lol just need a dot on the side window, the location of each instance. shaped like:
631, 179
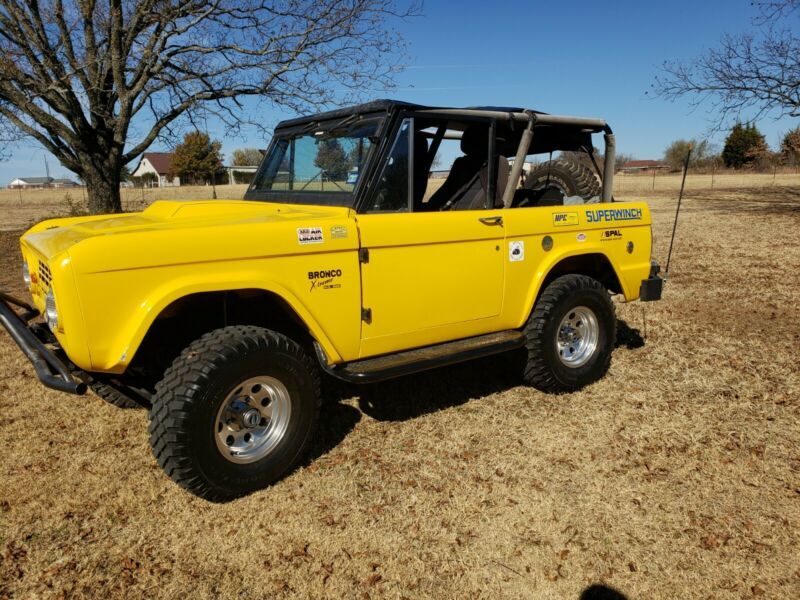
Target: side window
439, 165
460, 172
391, 194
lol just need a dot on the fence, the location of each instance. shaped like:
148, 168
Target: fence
667, 182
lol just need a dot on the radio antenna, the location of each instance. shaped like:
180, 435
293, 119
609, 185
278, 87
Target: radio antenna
678, 210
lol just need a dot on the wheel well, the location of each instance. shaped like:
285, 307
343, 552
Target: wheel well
597, 266
188, 318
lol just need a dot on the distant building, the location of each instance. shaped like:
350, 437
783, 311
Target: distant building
63, 183
643, 166
247, 173
32, 183
157, 163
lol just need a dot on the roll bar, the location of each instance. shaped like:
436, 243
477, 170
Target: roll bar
532, 119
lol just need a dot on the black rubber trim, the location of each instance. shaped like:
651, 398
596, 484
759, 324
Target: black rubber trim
651, 289
49, 369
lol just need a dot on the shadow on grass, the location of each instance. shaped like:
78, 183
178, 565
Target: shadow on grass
430, 391
601, 592
628, 336
336, 421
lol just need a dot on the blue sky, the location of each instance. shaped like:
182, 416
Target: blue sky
582, 58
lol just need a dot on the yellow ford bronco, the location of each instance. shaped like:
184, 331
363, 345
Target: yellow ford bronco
374, 241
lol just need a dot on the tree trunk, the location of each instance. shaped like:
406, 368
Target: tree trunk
102, 188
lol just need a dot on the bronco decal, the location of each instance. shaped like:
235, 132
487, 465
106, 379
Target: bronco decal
324, 279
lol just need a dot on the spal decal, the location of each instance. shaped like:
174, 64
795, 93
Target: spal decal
562, 219
609, 235
516, 251
613, 214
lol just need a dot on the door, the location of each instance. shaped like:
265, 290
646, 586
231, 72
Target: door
427, 276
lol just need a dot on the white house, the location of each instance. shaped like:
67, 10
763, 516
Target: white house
157, 163
27, 183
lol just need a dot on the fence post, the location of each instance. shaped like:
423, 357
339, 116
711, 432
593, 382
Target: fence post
654, 180
713, 171
774, 174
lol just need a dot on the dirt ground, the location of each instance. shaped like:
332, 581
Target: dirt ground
676, 476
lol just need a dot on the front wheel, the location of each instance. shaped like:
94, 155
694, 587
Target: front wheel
234, 412
570, 335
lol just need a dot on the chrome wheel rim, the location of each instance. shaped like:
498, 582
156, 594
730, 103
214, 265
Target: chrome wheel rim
253, 419
577, 338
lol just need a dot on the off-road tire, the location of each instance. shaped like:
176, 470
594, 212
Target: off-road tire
544, 369
568, 177
115, 396
187, 400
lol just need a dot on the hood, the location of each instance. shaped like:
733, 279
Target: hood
52, 237
170, 232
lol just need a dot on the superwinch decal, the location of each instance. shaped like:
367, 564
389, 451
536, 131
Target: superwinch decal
614, 214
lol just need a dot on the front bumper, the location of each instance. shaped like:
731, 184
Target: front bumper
652, 287
50, 369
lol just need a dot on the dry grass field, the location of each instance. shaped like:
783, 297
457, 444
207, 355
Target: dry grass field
676, 476
20, 208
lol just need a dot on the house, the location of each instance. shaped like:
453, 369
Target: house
63, 183
30, 183
643, 166
157, 163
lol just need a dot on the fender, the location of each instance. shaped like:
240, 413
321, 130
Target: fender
131, 333
553, 260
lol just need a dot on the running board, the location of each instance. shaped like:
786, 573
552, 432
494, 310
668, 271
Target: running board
388, 366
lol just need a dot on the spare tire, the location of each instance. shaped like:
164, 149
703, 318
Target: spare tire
553, 181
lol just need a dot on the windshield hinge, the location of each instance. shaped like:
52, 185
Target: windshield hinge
366, 315
363, 255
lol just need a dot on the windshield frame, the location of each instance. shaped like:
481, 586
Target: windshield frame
348, 199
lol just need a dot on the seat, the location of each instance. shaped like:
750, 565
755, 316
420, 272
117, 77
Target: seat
468, 181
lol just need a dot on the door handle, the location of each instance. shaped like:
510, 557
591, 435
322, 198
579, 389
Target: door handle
491, 220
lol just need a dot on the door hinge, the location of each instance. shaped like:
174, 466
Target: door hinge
366, 315
363, 255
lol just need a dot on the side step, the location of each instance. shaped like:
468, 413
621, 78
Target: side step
389, 366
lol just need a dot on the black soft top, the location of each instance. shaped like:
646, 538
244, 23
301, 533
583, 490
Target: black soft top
384, 105
549, 138
375, 106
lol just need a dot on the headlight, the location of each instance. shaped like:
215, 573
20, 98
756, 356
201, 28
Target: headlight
50, 312
26, 274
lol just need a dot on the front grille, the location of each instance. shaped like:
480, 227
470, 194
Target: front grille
44, 274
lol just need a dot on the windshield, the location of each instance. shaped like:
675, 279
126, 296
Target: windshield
321, 165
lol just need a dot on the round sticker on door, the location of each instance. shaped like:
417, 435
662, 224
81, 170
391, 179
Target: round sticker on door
581, 237
516, 251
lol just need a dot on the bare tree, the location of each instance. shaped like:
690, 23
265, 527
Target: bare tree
9, 135
97, 82
759, 71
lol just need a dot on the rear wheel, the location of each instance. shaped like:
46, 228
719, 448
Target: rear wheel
570, 335
234, 412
